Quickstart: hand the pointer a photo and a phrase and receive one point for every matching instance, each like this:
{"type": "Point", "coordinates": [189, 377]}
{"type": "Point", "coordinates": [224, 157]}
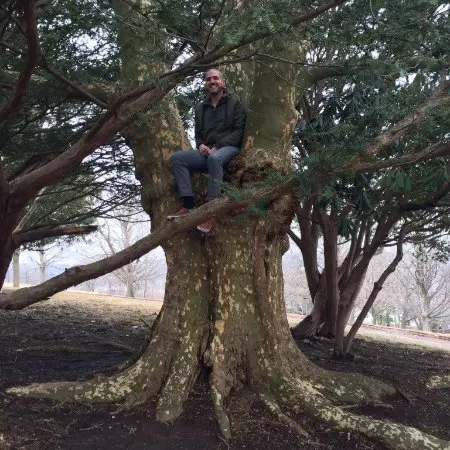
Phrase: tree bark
{"type": "Point", "coordinates": [224, 306]}
{"type": "Point", "coordinates": [311, 324]}
{"type": "Point", "coordinates": [378, 285]}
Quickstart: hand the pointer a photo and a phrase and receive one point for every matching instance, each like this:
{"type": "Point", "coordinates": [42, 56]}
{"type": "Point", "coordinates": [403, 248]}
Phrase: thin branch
{"type": "Point", "coordinates": [14, 19]}
{"type": "Point", "coordinates": [30, 211]}
{"type": "Point", "coordinates": [295, 238]}
{"type": "Point", "coordinates": [440, 97]}
{"type": "Point", "coordinates": [83, 92]}
{"type": "Point", "coordinates": [302, 18]}
{"type": "Point", "coordinates": [216, 20]}
{"type": "Point", "coordinates": [378, 285]}
{"type": "Point", "coordinates": [79, 89]}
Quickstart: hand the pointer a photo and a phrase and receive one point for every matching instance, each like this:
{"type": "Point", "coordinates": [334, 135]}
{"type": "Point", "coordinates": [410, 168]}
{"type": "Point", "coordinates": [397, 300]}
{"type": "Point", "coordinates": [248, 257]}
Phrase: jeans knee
{"type": "Point", "coordinates": [214, 160]}
{"type": "Point", "coordinates": [175, 158]}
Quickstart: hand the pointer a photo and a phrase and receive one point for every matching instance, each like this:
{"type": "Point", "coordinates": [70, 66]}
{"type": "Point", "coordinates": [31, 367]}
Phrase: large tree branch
{"type": "Point", "coordinates": [31, 60]}
{"type": "Point", "coordinates": [27, 296]}
{"type": "Point", "coordinates": [125, 109]}
{"type": "Point", "coordinates": [433, 151]}
{"type": "Point", "coordinates": [342, 68]}
{"type": "Point", "coordinates": [26, 186]}
{"type": "Point", "coordinates": [429, 203]}
{"type": "Point", "coordinates": [333, 70]}
{"type": "Point", "coordinates": [439, 98]}
{"type": "Point", "coordinates": [24, 237]}
{"type": "Point", "coordinates": [118, 116]}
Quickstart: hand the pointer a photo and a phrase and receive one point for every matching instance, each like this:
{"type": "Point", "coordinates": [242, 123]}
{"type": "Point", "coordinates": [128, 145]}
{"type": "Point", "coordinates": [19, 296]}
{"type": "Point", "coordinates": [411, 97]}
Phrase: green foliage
{"type": "Point", "coordinates": [397, 50]}
{"type": "Point", "coordinates": [394, 52]}
{"type": "Point", "coordinates": [79, 41]}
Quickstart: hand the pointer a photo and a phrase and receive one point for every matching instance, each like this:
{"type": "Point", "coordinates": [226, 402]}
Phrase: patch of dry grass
{"type": "Point", "coordinates": [117, 309]}
{"type": "Point", "coordinates": [108, 308]}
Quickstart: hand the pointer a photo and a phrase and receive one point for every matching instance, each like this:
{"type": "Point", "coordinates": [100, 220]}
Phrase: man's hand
{"type": "Point", "coordinates": [204, 150]}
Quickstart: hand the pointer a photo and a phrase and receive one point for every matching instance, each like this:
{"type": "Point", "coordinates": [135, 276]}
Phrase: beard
{"type": "Point", "coordinates": [215, 90]}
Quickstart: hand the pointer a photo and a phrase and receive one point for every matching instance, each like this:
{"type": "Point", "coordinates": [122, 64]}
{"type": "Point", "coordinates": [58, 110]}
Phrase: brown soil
{"type": "Point", "coordinates": [72, 338]}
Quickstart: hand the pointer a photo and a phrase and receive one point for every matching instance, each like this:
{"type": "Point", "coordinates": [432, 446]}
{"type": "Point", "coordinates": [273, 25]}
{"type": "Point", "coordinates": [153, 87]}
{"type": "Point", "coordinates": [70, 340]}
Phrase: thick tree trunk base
{"type": "Point", "coordinates": [285, 381]}
{"type": "Point", "coordinates": [224, 315]}
{"type": "Point", "coordinates": [283, 392]}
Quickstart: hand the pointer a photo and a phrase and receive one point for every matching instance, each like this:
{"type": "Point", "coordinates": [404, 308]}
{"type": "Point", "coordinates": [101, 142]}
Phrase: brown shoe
{"type": "Point", "coordinates": [179, 213]}
{"type": "Point", "coordinates": [207, 226]}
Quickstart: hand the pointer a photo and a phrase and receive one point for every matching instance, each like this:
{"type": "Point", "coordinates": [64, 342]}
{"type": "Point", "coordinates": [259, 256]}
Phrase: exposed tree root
{"type": "Point", "coordinates": [183, 374]}
{"type": "Point", "coordinates": [276, 410]}
{"type": "Point", "coordinates": [114, 389]}
{"type": "Point", "coordinates": [352, 387]}
{"type": "Point", "coordinates": [439, 381]}
{"type": "Point", "coordinates": [221, 415]}
{"type": "Point", "coordinates": [303, 396]}
{"type": "Point", "coordinates": [278, 387]}
{"type": "Point", "coordinates": [339, 387]}
{"type": "Point", "coordinates": [244, 339]}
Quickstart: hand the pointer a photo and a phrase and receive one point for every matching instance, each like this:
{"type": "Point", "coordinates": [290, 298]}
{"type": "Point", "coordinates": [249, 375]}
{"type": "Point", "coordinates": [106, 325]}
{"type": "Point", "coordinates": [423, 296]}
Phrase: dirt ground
{"type": "Point", "coordinates": [77, 335]}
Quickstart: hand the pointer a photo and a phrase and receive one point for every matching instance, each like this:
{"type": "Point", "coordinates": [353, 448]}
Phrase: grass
{"type": "Point", "coordinates": [116, 309]}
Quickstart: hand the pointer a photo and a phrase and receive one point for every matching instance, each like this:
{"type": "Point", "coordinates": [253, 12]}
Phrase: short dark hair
{"type": "Point", "coordinates": [214, 68]}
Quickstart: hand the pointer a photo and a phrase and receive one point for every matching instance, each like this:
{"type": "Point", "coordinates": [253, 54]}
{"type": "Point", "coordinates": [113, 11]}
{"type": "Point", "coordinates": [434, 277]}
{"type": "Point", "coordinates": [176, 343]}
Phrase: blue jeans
{"type": "Point", "coordinates": [186, 161]}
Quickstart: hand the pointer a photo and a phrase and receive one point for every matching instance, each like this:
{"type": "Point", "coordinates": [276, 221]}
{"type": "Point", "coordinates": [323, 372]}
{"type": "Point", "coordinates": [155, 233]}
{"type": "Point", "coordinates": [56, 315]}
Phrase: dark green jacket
{"type": "Point", "coordinates": [220, 126]}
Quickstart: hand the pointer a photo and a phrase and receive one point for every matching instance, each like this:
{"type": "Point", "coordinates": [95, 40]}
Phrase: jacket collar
{"type": "Point", "coordinates": [226, 94]}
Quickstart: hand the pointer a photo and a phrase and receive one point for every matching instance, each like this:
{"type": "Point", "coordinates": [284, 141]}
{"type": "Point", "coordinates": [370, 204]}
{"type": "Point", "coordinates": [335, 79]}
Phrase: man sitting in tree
{"type": "Point", "coordinates": [219, 129]}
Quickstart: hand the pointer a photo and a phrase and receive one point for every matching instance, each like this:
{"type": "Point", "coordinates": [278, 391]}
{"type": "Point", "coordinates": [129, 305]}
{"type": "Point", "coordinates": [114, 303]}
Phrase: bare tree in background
{"type": "Point", "coordinates": [44, 258]}
{"type": "Point", "coordinates": [16, 268]}
{"type": "Point", "coordinates": [386, 306]}
{"type": "Point", "coordinates": [118, 233]}
{"type": "Point", "coordinates": [426, 285]}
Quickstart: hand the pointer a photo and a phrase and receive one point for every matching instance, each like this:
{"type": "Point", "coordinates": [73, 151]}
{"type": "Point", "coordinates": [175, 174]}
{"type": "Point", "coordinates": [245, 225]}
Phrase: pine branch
{"type": "Point", "coordinates": [30, 62]}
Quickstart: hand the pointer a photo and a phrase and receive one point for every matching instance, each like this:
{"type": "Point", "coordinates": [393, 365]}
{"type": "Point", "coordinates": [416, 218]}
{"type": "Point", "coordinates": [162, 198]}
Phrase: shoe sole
{"type": "Point", "coordinates": [204, 230]}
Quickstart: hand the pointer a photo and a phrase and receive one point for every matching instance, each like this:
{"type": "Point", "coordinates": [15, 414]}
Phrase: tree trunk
{"type": "Point", "coordinates": [310, 325]}
{"type": "Point", "coordinates": [42, 266]}
{"type": "Point", "coordinates": [224, 307]}
{"type": "Point", "coordinates": [8, 221]}
{"type": "Point", "coordinates": [330, 240]}
{"type": "Point", "coordinates": [129, 280]}
{"type": "Point", "coordinates": [426, 323]}
{"type": "Point", "coordinates": [16, 268]}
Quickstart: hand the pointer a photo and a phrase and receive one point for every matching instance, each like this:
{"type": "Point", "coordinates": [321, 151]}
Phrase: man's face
{"type": "Point", "coordinates": [214, 83]}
